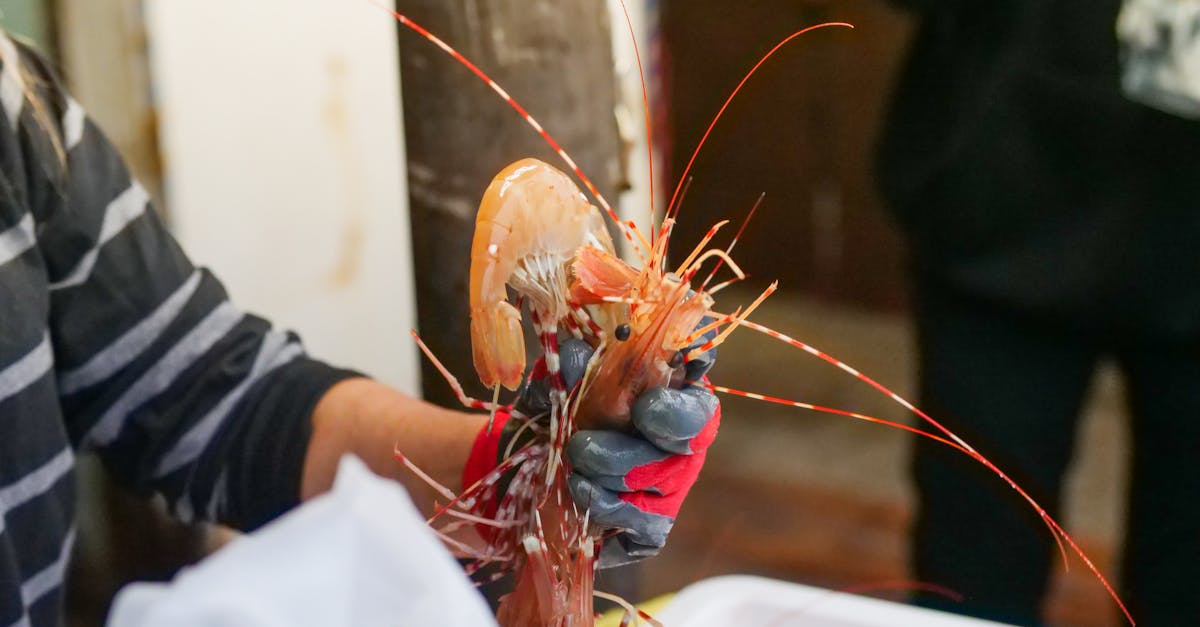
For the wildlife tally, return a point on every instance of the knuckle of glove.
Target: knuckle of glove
(620, 550)
(601, 502)
(573, 356)
(534, 399)
(609, 510)
(606, 456)
(671, 418)
(698, 366)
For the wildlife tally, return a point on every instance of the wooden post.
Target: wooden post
(555, 58)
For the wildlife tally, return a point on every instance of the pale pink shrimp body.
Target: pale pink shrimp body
(531, 223)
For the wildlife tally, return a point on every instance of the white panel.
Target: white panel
(634, 203)
(281, 131)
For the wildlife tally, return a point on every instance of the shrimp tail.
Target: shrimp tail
(498, 345)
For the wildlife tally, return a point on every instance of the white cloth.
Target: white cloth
(749, 601)
(1160, 54)
(360, 555)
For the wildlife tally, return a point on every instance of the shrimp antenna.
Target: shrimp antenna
(627, 228)
(646, 109)
(721, 256)
(837, 412)
(691, 258)
(1060, 535)
(737, 321)
(672, 207)
(455, 386)
(715, 324)
(724, 284)
(733, 243)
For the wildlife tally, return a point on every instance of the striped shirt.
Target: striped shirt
(112, 342)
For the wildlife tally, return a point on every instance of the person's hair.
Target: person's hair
(32, 83)
(41, 113)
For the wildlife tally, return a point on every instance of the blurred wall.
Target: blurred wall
(802, 131)
(284, 166)
(102, 53)
(30, 19)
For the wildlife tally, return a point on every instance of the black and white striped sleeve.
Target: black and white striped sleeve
(180, 392)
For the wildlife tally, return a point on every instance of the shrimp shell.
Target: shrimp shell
(531, 222)
(661, 311)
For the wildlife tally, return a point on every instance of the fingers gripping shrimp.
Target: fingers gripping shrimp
(531, 222)
(663, 312)
(662, 316)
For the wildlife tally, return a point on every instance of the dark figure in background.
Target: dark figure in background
(1053, 222)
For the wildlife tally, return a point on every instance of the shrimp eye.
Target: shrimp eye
(622, 332)
(676, 360)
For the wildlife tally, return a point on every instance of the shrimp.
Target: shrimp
(537, 531)
(532, 225)
(549, 543)
(663, 312)
(531, 222)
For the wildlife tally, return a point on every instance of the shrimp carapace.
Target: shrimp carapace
(531, 222)
(661, 310)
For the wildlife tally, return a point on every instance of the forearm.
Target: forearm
(371, 420)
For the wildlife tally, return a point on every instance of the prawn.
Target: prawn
(537, 529)
(531, 226)
(664, 318)
(661, 309)
(530, 223)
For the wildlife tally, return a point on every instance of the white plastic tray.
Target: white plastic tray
(760, 602)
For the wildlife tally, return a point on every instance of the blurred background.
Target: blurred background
(349, 149)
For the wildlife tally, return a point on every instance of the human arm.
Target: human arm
(370, 419)
(179, 392)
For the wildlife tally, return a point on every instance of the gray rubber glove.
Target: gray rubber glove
(636, 482)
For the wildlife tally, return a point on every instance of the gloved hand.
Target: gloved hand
(632, 482)
(534, 401)
(637, 482)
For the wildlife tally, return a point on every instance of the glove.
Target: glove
(635, 482)
(534, 400)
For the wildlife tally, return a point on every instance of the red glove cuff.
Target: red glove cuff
(483, 457)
